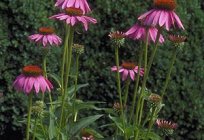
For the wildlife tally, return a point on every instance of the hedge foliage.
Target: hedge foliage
(184, 100)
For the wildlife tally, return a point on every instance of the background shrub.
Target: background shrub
(184, 100)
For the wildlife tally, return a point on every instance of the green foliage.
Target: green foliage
(184, 100)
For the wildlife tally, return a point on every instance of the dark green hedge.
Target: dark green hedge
(184, 100)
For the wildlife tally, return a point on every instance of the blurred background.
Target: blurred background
(185, 95)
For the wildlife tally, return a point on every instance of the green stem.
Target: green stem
(75, 86)
(173, 59)
(151, 122)
(29, 115)
(119, 86)
(35, 127)
(137, 119)
(63, 91)
(127, 85)
(46, 51)
(68, 44)
(141, 100)
(136, 86)
(44, 68)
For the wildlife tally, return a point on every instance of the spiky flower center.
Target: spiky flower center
(46, 30)
(166, 124)
(165, 4)
(72, 11)
(32, 70)
(117, 35)
(128, 65)
(177, 38)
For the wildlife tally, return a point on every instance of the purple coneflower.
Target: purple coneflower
(162, 15)
(128, 68)
(73, 16)
(82, 4)
(31, 80)
(46, 36)
(139, 31)
(177, 38)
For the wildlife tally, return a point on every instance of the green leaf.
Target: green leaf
(84, 122)
(72, 89)
(118, 122)
(94, 133)
(52, 129)
(56, 78)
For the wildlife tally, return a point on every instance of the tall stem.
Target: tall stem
(168, 76)
(75, 86)
(119, 86)
(141, 100)
(127, 85)
(44, 67)
(35, 127)
(144, 80)
(136, 85)
(29, 115)
(64, 61)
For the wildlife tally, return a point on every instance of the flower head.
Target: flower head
(31, 80)
(155, 98)
(177, 39)
(86, 135)
(78, 49)
(37, 109)
(139, 31)
(117, 37)
(46, 36)
(167, 126)
(165, 4)
(162, 15)
(73, 16)
(128, 68)
(82, 4)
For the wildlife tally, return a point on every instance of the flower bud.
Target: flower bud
(78, 49)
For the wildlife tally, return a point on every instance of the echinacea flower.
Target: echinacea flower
(73, 16)
(177, 38)
(139, 32)
(31, 80)
(117, 37)
(46, 36)
(82, 4)
(167, 126)
(128, 68)
(162, 15)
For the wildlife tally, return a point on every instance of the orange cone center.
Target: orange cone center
(46, 30)
(128, 65)
(72, 11)
(32, 70)
(165, 4)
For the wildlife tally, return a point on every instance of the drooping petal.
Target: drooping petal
(124, 74)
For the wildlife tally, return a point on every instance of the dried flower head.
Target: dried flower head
(177, 39)
(78, 49)
(155, 98)
(117, 37)
(167, 126)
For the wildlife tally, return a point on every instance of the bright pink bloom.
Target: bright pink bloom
(46, 36)
(72, 16)
(128, 68)
(82, 4)
(31, 80)
(138, 31)
(162, 15)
